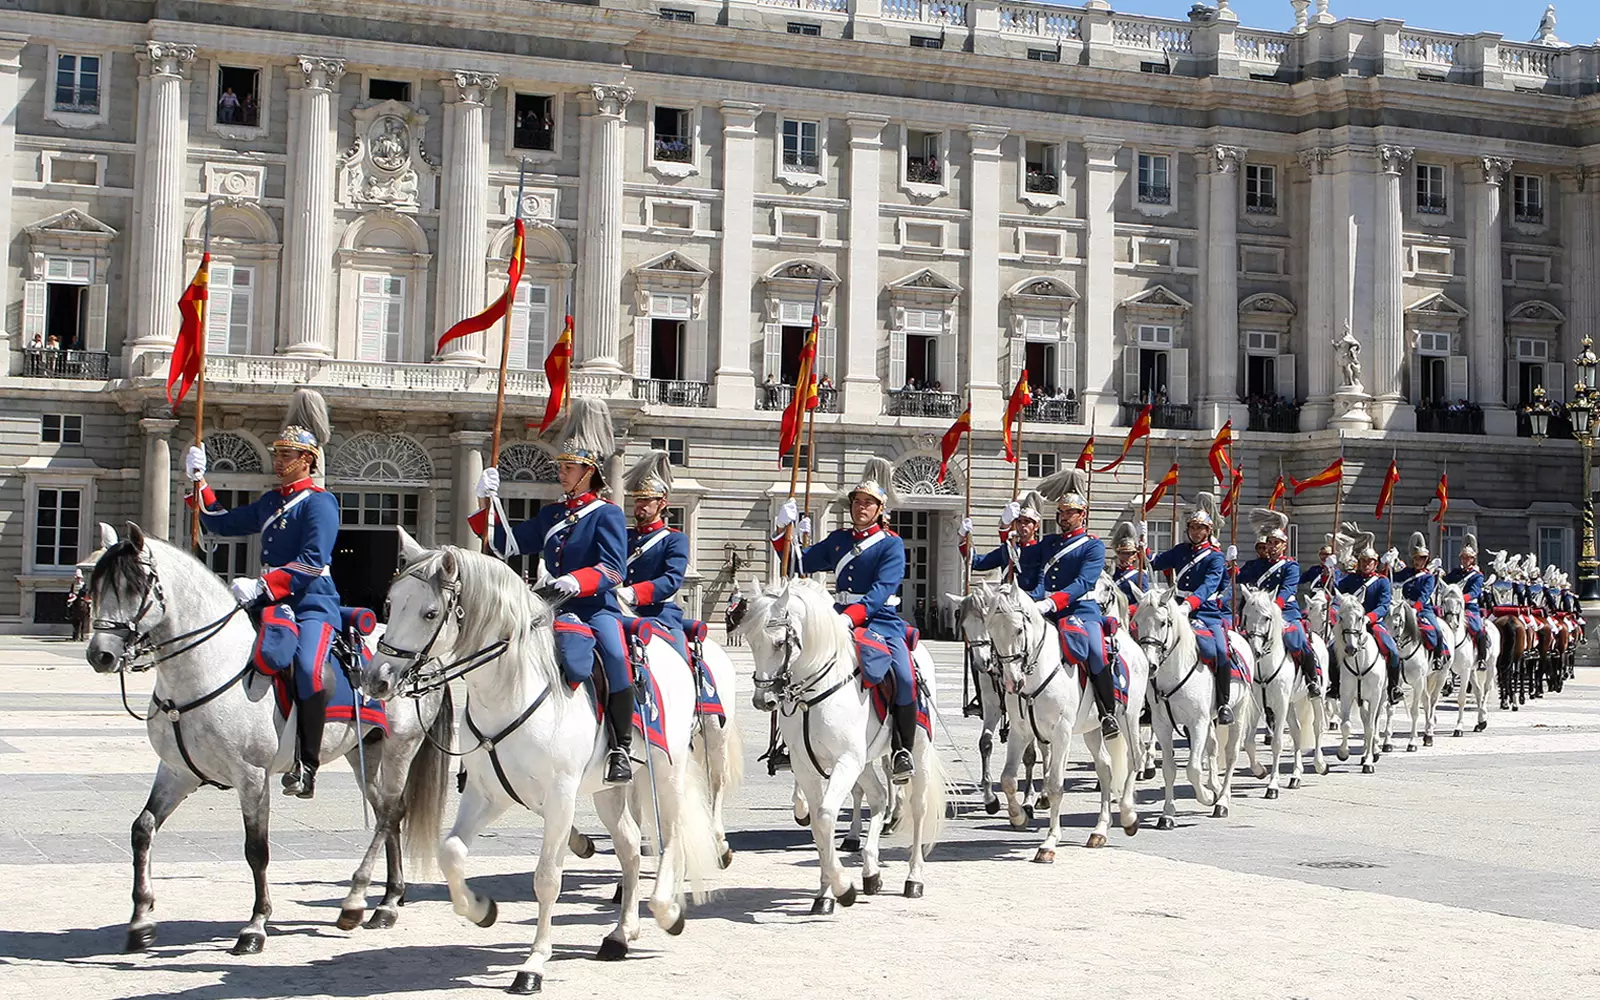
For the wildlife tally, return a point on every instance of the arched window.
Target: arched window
(390, 459)
(526, 463)
(917, 475)
(232, 453)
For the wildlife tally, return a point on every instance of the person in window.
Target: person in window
(298, 523)
(37, 343)
(228, 107)
(658, 556)
(1196, 568)
(583, 541)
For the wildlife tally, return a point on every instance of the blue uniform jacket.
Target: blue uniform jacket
(1417, 586)
(298, 525)
(868, 567)
(1199, 571)
(584, 536)
(1069, 568)
(1375, 594)
(1027, 568)
(658, 559)
(1471, 582)
(1128, 579)
(1279, 576)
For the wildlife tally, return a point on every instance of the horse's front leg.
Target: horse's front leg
(1099, 755)
(824, 815)
(385, 793)
(1203, 754)
(255, 801)
(1054, 776)
(167, 792)
(993, 712)
(1346, 696)
(1248, 721)
(1285, 720)
(558, 810)
(475, 812)
(1016, 800)
(1163, 729)
(612, 805)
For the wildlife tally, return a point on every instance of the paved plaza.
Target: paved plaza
(1464, 869)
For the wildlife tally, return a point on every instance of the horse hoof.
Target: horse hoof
(1456, 734)
(1166, 823)
(1387, 748)
(1411, 748)
(1028, 811)
(1427, 740)
(848, 897)
(490, 916)
(349, 919)
(1258, 772)
(803, 820)
(724, 860)
(992, 806)
(1272, 793)
(850, 845)
(1219, 811)
(913, 889)
(382, 919)
(616, 897)
(1046, 856)
(677, 925)
(140, 940)
(1019, 821)
(1294, 781)
(1322, 768)
(249, 943)
(1043, 802)
(1344, 755)
(891, 824)
(1148, 774)
(871, 885)
(1369, 769)
(1096, 840)
(612, 950)
(582, 845)
(821, 906)
(1480, 727)
(1132, 829)
(526, 983)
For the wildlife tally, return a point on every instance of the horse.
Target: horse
(1419, 670)
(971, 610)
(540, 742)
(1183, 695)
(214, 721)
(1046, 695)
(1366, 677)
(806, 667)
(1280, 688)
(1467, 669)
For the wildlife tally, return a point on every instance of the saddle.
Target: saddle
(277, 637)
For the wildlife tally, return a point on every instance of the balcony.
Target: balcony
(50, 362)
(1442, 419)
(1261, 204)
(1054, 410)
(673, 149)
(1169, 416)
(1155, 194)
(923, 170)
(777, 397)
(1432, 204)
(1278, 417)
(1529, 215)
(802, 162)
(1040, 181)
(672, 392)
(922, 403)
(1560, 428)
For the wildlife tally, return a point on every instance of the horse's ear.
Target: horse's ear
(1138, 594)
(410, 549)
(108, 535)
(956, 600)
(135, 537)
(450, 565)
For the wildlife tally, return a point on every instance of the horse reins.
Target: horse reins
(778, 684)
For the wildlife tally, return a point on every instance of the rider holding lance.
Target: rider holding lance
(1273, 571)
(1471, 580)
(1018, 552)
(298, 523)
(1417, 584)
(658, 556)
(1198, 569)
(1374, 590)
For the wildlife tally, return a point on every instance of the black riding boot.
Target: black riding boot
(619, 732)
(1224, 681)
(1308, 669)
(301, 781)
(1105, 700)
(904, 737)
(1395, 697)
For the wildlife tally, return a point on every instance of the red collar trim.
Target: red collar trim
(1075, 534)
(859, 535)
(297, 486)
(652, 527)
(580, 500)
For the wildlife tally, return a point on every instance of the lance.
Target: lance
(1144, 493)
(200, 389)
(505, 361)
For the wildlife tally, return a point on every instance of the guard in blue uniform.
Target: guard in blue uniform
(1197, 568)
(868, 562)
(1018, 552)
(1129, 577)
(1273, 571)
(1417, 584)
(1374, 590)
(1072, 561)
(298, 523)
(583, 542)
(658, 556)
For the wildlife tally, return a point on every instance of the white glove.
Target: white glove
(1391, 558)
(488, 482)
(625, 594)
(804, 527)
(247, 589)
(1330, 564)
(788, 514)
(1233, 553)
(1011, 512)
(849, 623)
(966, 527)
(1045, 605)
(566, 584)
(194, 463)
(1435, 565)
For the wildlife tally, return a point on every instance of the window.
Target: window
(389, 90)
(800, 153)
(795, 318)
(67, 281)
(1042, 171)
(1527, 199)
(1155, 179)
(530, 326)
(1430, 190)
(922, 158)
(1155, 336)
(1433, 372)
(1261, 376)
(677, 449)
(55, 533)
(1042, 463)
(675, 517)
(231, 557)
(381, 309)
(923, 329)
(59, 428)
(1553, 548)
(238, 96)
(787, 460)
(1533, 355)
(378, 510)
(666, 349)
(927, 42)
(1045, 55)
(1158, 68)
(1260, 189)
(78, 84)
(534, 126)
(802, 28)
(673, 139)
(1042, 358)
(1451, 538)
(1158, 531)
(231, 309)
(674, 14)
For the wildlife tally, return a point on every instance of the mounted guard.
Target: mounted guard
(1274, 572)
(1127, 538)
(1018, 552)
(1471, 580)
(658, 556)
(1197, 570)
(1375, 592)
(1417, 584)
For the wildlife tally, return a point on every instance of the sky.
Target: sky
(1577, 21)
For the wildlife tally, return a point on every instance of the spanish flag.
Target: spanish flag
(1140, 428)
(1386, 493)
(1086, 456)
(188, 352)
(1330, 476)
(794, 415)
(1168, 481)
(952, 440)
(1230, 502)
(557, 372)
(1218, 456)
(1020, 396)
(1277, 493)
(1442, 494)
(496, 309)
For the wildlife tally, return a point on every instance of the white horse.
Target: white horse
(1280, 687)
(971, 611)
(1047, 697)
(806, 666)
(1366, 678)
(213, 720)
(1419, 671)
(1468, 670)
(539, 743)
(1183, 695)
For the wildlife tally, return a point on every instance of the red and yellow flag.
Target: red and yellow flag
(1140, 428)
(496, 310)
(1277, 493)
(1086, 456)
(1330, 476)
(188, 352)
(557, 371)
(1218, 455)
(1442, 494)
(1020, 396)
(1168, 481)
(1386, 493)
(952, 440)
(1230, 502)
(804, 390)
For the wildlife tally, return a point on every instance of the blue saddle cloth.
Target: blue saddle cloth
(274, 655)
(883, 698)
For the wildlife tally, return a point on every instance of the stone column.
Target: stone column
(983, 278)
(1100, 281)
(463, 211)
(10, 65)
(863, 388)
(158, 277)
(1388, 349)
(308, 328)
(1320, 329)
(1486, 340)
(1221, 270)
(155, 508)
(1580, 199)
(467, 451)
(735, 383)
(598, 323)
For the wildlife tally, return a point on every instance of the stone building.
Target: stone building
(1132, 209)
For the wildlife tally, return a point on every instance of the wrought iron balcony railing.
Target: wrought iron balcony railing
(52, 362)
(921, 403)
(672, 392)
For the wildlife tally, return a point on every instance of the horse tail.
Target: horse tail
(726, 678)
(931, 822)
(427, 784)
(695, 840)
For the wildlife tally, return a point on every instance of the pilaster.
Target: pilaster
(467, 450)
(735, 383)
(599, 319)
(155, 508)
(308, 329)
(10, 66)
(463, 210)
(1580, 194)
(163, 145)
(1320, 328)
(1486, 295)
(863, 388)
(1390, 410)
(983, 277)
(1220, 280)
(1100, 397)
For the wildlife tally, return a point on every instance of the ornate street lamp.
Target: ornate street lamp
(1539, 415)
(1586, 395)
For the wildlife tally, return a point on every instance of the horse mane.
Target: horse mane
(120, 568)
(821, 633)
(1184, 643)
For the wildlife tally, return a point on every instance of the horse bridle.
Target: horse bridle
(136, 642)
(781, 684)
(1027, 659)
(422, 668)
(1378, 658)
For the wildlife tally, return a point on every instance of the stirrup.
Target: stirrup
(1109, 730)
(1224, 715)
(619, 770)
(901, 766)
(301, 782)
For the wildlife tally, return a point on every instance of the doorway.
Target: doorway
(364, 563)
(915, 528)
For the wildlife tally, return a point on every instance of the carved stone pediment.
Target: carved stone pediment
(1158, 297)
(1438, 305)
(386, 165)
(71, 223)
(671, 272)
(924, 285)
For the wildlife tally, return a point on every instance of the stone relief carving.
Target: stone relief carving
(1347, 349)
(169, 58)
(386, 164)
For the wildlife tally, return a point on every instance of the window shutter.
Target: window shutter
(772, 351)
(947, 347)
(1067, 365)
(897, 358)
(641, 347)
(1130, 375)
(34, 296)
(827, 352)
(1178, 376)
(1458, 377)
(219, 308)
(1286, 376)
(1018, 359)
(1555, 382)
(95, 327)
(694, 351)
(517, 352)
(369, 329)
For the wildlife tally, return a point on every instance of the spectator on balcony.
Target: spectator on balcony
(910, 386)
(228, 107)
(937, 386)
(37, 344)
(769, 392)
(826, 383)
